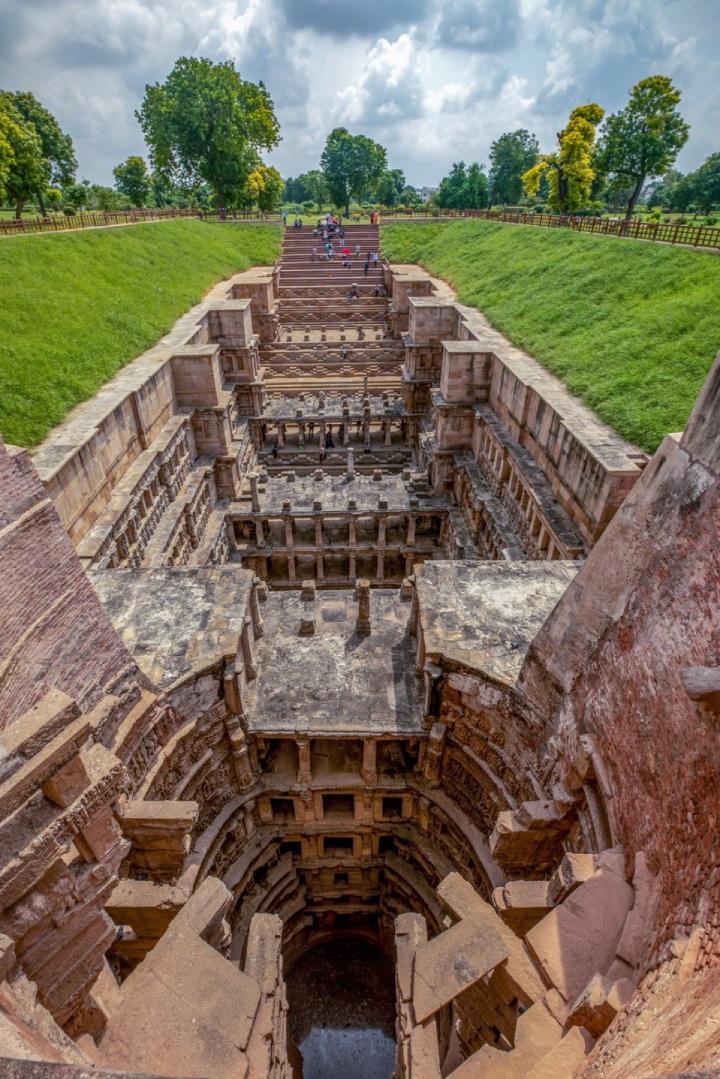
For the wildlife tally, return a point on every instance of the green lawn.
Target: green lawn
(78, 306)
(631, 328)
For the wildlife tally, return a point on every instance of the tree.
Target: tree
(352, 165)
(205, 123)
(511, 155)
(57, 147)
(477, 189)
(132, 179)
(410, 196)
(570, 170)
(390, 187)
(24, 171)
(463, 188)
(644, 138)
(706, 183)
(449, 194)
(314, 187)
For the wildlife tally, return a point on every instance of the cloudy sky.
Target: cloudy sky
(433, 80)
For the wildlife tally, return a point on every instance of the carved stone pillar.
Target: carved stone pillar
(369, 761)
(254, 492)
(248, 662)
(362, 626)
(433, 756)
(304, 770)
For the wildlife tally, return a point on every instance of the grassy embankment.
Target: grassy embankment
(76, 307)
(630, 327)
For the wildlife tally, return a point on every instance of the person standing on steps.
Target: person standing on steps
(366, 267)
(284, 218)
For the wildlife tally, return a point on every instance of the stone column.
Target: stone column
(369, 761)
(380, 566)
(319, 540)
(319, 567)
(254, 492)
(350, 462)
(387, 427)
(410, 538)
(256, 617)
(248, 662)
(381, 532)
(240, 751)
(433, 756)
(352, 531)
(281, 435)
(304, 770)
(259, 533)
(289, 535)
(351, 567)
(362, 626)
(292, 576)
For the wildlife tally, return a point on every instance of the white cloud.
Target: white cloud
(433, 82)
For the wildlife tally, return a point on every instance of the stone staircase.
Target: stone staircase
(328, 341)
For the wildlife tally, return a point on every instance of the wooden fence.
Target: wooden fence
(83, 220)
(670, 233)
(704, 236)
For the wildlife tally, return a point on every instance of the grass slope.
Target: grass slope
(630, 327)
(78, 306)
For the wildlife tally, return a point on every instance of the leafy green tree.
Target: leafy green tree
(644, 138)
(706, 183)
(77, 195)
(315, 187)
(511, 155)
(269, 198)
(410, 196)
(390, 187)
(450, 192)
(477, 189)
(295, 190)
(132, 179)
(57, 146)
(10, 132)
(24, 171)
(463, 188)
(205, 123)
(162, 191)
(352, 165)
(571, 169)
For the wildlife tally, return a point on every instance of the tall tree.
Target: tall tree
(205, 123)
(272, 189)
(56, 149)
(464, 188)
(477, 189)
(450, 193)
(316, 187)
(390, 187)
(571, 169)
(706, 183)
(132, 179)
(511, 155)
(644, 138)
(24, 171)
(352, 165)
(57, 146)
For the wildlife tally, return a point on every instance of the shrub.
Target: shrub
(69, 211)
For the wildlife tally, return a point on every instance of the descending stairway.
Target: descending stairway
(327, 341)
